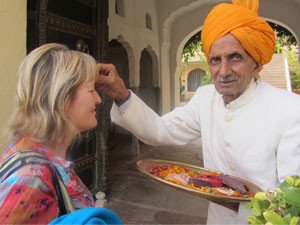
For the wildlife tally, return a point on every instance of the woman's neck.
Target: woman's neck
(59, 149)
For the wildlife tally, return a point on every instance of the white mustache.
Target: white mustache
(228, 78)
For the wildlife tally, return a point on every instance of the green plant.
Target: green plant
(282, 206)
(182, 87)
(281, 42)
(286, 45)
(294, 66)
(207, 78)
(194, 49)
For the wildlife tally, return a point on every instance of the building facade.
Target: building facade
(146, 38)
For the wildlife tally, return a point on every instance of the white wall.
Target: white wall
(13, 49)
(131, 29)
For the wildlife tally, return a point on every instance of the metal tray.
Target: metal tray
(146, 165)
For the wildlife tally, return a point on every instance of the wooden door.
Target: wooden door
(82, 26)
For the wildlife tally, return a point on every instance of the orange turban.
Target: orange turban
(242, 21)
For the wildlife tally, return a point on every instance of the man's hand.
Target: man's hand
(110, 81)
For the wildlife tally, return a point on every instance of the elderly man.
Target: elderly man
(249, 129)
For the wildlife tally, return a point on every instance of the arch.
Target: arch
(169, 69)
(148, 21)
(120, 54)
(131, 60)
(195, 79)
(284, 26)
(148, 88)
(179, 67)
(155, 69)
(146, 70)
(119, 8)
(117, 55)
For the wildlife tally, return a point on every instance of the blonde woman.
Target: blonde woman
(56, 100)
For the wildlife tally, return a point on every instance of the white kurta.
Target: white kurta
(255, 137)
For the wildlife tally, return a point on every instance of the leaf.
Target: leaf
(297, 182)
(255, 220)
(287, 218)
(258, 206)
(294, 220)
(291, 196)
(273, 218)
(253, 201)
(290, 180)
(292, 211)
(261, 195)
(256, 210)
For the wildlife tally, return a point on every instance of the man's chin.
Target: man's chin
(225, 91)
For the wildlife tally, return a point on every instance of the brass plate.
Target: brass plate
(146, 165)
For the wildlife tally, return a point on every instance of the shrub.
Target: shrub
(282, 206)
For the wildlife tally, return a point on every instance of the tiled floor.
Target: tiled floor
(138, 199)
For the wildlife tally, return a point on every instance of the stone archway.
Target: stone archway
(194, 79)
(147, 90)
(117, 55)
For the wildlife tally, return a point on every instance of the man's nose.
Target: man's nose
(224, 68)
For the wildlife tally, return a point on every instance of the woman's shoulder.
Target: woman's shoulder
(23, 166)
(28, 189)
(32, 172)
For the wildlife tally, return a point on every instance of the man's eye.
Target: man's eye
(214, 60)
(236, 57)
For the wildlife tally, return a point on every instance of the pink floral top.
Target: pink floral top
(28, 195)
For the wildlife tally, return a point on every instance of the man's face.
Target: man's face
(232, 68)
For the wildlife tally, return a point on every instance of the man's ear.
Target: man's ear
(257, 68)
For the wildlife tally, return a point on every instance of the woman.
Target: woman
(56, 100)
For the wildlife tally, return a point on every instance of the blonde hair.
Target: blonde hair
(48, 79)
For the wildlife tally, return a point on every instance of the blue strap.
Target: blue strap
(88, 216)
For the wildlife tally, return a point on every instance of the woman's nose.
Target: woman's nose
(98, 99)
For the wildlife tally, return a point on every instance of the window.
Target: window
(148, 21)
(195, 79)
(119, 7)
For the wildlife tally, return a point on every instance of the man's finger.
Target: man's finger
(103, 79)
(105, 69)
